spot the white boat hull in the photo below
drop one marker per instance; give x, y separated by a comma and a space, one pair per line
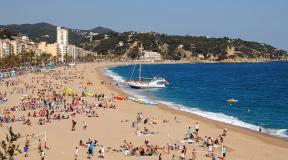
144, 86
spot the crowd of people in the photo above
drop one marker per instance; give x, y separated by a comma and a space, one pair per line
43, 101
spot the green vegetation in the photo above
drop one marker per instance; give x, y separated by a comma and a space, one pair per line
180, 47
9, 148
24, 59
86, 58
6, 34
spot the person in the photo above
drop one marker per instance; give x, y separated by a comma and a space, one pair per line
185, 149
213, 157
90, 150
189, 130
73, 124
160, 156
260, 129
182, 156
223, 152
42, 155
225, 132
26, 148
85, 125
76, 153
210, 151
197, 126
81, 143
194, 154
173, 157
39, 146
101, 152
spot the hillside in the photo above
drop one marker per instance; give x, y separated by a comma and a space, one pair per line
7, 34
47, 32
100, 30
176, 47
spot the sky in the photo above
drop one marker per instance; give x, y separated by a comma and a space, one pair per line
253, 20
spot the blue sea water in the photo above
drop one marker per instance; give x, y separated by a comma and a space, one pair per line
260, 88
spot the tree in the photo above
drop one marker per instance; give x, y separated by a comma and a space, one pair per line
8, 148
67, 58
45, 58
134, 53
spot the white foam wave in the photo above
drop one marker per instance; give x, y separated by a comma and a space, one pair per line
210, 115
116, 77
226, 119
277, 132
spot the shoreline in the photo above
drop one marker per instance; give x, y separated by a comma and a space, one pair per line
264, 136
227, 61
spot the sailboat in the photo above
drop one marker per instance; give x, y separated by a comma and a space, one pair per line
145, 83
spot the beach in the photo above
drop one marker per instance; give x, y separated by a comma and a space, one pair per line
113, 126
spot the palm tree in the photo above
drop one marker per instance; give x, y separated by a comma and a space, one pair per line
44, 58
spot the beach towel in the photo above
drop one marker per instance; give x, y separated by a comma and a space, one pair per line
87, 93
68, 90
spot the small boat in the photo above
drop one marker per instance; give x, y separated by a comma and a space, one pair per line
232, 100
145, 83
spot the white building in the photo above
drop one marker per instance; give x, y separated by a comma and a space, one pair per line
16, 46
74, 51
62, 41
152, 56
6, 48
120, 43
62, 36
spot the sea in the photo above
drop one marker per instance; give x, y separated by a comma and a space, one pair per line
203, 89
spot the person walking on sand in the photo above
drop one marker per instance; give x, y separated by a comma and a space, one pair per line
76, 154
101, 152
173, 157
213, 157
223, 151
197, 127
73, 124
160, 156
42, 155
194, 153
182, 155
26, 150
85, 125
90, 150
189, 132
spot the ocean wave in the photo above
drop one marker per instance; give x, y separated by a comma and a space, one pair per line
206, 114
115, 77
226, 119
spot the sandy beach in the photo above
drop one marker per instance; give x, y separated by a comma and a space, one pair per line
113, 126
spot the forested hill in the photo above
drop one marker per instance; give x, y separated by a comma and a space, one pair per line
177, 47
7, 34
47, 32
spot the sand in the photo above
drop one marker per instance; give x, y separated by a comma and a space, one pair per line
108, 130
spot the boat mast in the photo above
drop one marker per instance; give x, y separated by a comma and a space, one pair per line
140, 72
132, 72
